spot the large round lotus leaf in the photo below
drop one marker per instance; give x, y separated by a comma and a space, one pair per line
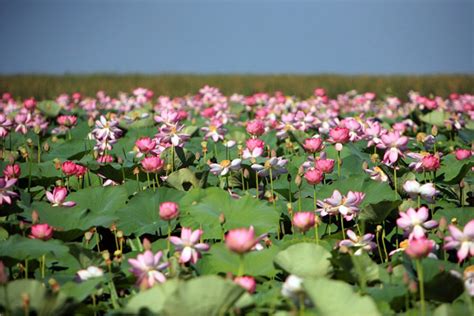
20, 248
152, 299
141, 215
203, 296
304, 260
95, 206
332, 297
202, 208
220, 260
454, 170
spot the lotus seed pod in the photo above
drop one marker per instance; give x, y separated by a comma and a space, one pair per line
46, 147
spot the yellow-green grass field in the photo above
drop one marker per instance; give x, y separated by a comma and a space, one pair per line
50, 86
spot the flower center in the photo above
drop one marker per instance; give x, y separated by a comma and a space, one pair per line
225, 163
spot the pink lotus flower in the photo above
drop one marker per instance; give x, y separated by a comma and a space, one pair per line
12, 171
215, 131
314, 176
189, 245
106, 129
255, 148
5, 193
256, 127
427, 191
275, 164
69, 168
339, 135
419, 247
348, 206
67, 120
152, 164
247, 282
29, 104
147, 268
463, 241
241, 240
325, 165
105, 159
145, 144
5, 125
394, 144
462, 154
80, 171
362, 244
58, 196
416, 223
41, 231
304, 220
313, 145
430, 162
169, 211
319, 92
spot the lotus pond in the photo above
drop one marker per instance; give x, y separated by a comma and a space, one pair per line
237, 205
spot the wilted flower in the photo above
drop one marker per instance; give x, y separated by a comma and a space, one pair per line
89, 273
223, 168
304, 220
41, 231
189, 245
169, 211
247, 282
57, 197
362, 243
377, 174
427, 191
147, 268
5, 193
241, 240
463, 241
416, 223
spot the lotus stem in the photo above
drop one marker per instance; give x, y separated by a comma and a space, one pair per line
395, 180
315, 202
271, 188
383, 243
419, 269
168, 245
338, 163
43, 264
377, 235
241, 265
316, 233
148, 179
256, 183
342, 227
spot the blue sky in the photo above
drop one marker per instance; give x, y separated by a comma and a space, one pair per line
259, 36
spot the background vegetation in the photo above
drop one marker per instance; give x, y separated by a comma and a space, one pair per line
50, 86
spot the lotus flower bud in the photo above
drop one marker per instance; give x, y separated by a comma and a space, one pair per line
222, 218
169, 211
146, 244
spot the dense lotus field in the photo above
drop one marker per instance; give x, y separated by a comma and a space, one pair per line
211, 205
